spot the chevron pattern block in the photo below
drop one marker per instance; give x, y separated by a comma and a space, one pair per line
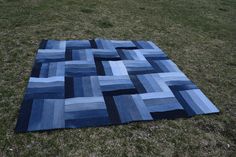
90, 83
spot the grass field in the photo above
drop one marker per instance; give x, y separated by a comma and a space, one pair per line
199, 35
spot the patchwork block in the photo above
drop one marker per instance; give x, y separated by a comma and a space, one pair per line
85, 112
48, 88
91, 83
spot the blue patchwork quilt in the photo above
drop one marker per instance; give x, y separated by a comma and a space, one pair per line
91, 83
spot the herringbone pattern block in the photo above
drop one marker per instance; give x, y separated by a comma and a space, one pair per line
89, 83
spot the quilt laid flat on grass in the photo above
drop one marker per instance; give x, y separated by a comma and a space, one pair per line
90, 83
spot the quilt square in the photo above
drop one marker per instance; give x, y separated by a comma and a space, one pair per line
100, 82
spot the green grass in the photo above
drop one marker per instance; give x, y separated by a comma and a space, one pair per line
199, 35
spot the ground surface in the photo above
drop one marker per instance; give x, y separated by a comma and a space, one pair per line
198, 35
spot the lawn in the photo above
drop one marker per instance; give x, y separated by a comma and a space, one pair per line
198, 35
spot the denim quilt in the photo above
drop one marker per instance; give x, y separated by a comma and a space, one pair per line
91, 83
